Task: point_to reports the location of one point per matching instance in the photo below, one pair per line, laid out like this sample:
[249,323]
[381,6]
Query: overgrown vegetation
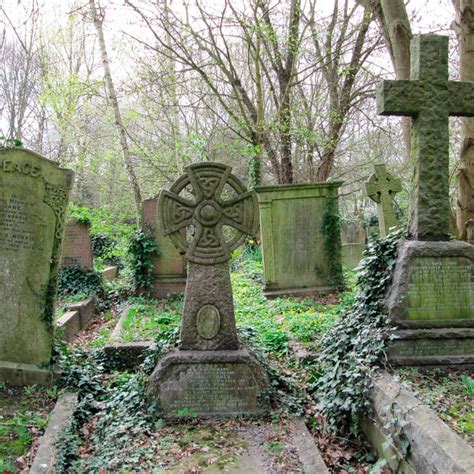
[78,280]
[141,248]
[353,348]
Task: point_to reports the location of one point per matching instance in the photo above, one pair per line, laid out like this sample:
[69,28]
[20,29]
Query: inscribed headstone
[33,200]
[77,246]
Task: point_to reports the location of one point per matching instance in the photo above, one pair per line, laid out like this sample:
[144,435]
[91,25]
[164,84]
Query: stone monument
[211,373]
[77,246]
[169,266]
[34,195]
[381,187]
[431,297]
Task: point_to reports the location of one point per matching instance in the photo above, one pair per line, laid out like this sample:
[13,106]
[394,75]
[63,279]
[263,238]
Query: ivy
[80,214]
[141,249]
[331,230]
[352,349]
[75,280]
[9,142]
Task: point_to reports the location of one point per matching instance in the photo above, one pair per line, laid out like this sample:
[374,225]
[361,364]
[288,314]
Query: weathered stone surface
[294,255]
[433,285]
[126,355]
[430,98]
[169,267]
[109,273]
[208,383]
[434,448]
[77,246]
[208,307]
[69,325]
[470,231]
[446,346]
[352,254]
[382,188]
[33,200]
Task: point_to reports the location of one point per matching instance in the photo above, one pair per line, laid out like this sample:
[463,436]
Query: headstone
[381,187]
[77,246]
[353,243]
[211,373]
[34,195]
[295,258]
[431,297]
[352,254]
[169,267]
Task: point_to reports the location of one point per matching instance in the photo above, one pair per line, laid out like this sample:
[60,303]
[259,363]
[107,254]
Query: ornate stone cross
[215,205]
[430,98]
[381,188]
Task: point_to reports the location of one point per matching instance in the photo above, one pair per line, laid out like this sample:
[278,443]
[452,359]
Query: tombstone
[77,246]
[381,187]
[34,194]
[353,243]
[295,258]
[169,267]
[431,298]
[211,373]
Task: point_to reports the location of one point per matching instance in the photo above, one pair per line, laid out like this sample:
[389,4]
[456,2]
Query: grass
[23,416]
[450,393]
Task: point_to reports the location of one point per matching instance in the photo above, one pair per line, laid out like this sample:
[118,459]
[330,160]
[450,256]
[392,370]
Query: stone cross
[430,98]
[381,188]
[213,203]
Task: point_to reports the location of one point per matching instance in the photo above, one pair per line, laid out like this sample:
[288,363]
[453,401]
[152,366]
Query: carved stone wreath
[208,211]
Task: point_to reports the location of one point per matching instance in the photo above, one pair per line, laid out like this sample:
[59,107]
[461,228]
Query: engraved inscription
[210,388]
[16,231]
[208,321]
[433,347]
[24,168]
[441,288]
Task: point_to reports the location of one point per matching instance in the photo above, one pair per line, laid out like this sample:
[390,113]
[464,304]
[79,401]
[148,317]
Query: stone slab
[18,374]
[109,273]
[433,285]
[86,310]
[434,448]
[165,287]
[60,419]
[77,245]
[291,218]
[70,325]
[209,383]
[126,355]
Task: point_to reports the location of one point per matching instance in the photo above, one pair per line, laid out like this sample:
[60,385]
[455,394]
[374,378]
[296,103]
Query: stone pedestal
[431,300]
[208,383]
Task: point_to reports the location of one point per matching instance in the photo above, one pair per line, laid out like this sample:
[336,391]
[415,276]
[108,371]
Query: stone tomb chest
[33,201]
[295,256]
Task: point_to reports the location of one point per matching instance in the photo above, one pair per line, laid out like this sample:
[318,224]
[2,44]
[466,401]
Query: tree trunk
[465,175]
[118,118]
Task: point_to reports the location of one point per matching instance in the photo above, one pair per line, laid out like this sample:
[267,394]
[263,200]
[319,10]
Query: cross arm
[398,98]
[461,98]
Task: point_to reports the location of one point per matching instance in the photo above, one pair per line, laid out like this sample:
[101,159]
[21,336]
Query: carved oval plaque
[208,321]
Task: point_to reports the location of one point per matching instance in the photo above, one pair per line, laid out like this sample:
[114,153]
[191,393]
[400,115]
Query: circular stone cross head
[214,203]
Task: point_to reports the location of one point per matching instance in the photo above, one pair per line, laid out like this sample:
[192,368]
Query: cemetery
[256,256]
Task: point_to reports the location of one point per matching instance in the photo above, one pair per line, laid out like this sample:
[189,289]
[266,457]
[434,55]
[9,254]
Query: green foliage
[353,347]
[9,142]
[331,230]
[141,249]
[76,280]
[79,213]
[254,166]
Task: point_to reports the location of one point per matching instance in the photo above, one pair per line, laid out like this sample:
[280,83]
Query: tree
[464,26]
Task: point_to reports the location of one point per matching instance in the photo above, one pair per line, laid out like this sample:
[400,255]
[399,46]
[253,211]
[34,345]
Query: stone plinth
[208,383]
[169,267]
[77,246]
[33,201]
[431,299]
[294,254]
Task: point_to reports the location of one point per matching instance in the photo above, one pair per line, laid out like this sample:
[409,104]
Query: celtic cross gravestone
[381,187]
[431,296]
[210,374]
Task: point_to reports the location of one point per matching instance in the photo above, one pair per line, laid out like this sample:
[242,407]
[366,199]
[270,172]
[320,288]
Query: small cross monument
[381,188]
[211,373]
[433,277]
[430,98]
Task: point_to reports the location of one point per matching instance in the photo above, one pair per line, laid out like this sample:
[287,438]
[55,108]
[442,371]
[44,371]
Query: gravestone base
[431,300]
[271,292]
[163,287]
[208,383]
[433,347]
[17,374]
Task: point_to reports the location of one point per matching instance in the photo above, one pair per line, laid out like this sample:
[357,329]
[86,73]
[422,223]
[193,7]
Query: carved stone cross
[381,188]
[430,98]
[213,203]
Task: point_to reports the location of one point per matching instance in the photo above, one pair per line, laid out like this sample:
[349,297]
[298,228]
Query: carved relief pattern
[56,198]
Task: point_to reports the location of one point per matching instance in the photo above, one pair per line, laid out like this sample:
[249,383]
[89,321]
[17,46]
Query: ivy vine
[141,249]
[353,348]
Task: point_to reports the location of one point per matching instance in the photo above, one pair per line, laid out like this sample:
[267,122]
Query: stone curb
[433,446]
[109,273]
[76,318]
[60,419]
[115,334]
